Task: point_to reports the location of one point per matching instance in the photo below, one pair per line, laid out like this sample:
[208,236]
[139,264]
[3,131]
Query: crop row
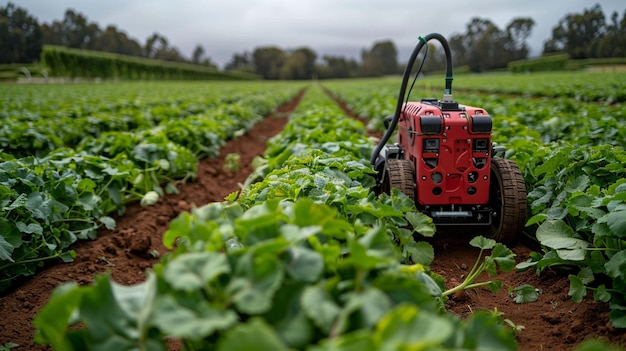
[305,257]
[49,202]
[574,165]
[41,118]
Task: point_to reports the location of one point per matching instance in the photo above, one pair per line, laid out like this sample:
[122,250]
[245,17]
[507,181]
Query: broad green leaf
[484,332]
[367,307]
[482,243]
[68,256]
[320,306]
[304,264]
[586,275]
[421,223]
[89,201]
[255,281]
[558,235]
[11,233]
[31,228]
[259,223]
[577,289]
[601,294]
[195,319]
[555,234]
[555,213]
[616,266]
[522,266]
[359,340]
[377,243]
[307,213]
[429,283]
[6,249]
[421,252]
[407,328]
[525,293]
[194,270]
[179,227]
[288,318]
[494,285]
[108,222]
[363,259]
[294,233]
[504,257]
[616,221]
[538,218]
[583,203]
[137,301]
[580,183]
[617,314]
[573,254]
[109,325]
[54,318]
[253,335]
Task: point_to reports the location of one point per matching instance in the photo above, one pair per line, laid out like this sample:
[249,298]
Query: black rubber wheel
[507,198]
[399,174]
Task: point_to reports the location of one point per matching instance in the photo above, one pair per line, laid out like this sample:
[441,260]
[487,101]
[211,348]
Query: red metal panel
[463,180]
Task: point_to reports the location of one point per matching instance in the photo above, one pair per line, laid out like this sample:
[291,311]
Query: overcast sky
[336,27]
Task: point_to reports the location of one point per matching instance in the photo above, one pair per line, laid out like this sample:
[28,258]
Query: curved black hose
[405,79]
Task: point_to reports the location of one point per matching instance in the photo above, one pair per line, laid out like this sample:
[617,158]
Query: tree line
[483,46]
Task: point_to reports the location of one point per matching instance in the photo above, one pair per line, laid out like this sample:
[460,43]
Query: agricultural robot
[445,161]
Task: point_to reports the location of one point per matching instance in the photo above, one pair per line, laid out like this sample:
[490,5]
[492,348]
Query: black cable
[405,78]
[419,70]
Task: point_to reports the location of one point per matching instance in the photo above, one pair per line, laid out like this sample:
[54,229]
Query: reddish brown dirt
[551,323]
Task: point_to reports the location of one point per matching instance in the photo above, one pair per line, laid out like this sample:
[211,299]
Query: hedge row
[65,62]
[561,62]
[544,63]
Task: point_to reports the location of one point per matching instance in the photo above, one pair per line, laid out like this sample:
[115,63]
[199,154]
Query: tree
[382,59]
[483,40]
[575,32]
[20,36]
[518,32]
[240,62]
[435,59]
[459,49]
[73,31]
[299,64]
[484,46]
[113,40]
[154,44]
[268,62]
[613,42]
[337,67]
[197,55]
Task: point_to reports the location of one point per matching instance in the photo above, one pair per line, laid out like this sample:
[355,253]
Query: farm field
[570,148]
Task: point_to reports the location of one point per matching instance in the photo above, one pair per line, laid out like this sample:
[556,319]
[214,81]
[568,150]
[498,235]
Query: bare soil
[554,322]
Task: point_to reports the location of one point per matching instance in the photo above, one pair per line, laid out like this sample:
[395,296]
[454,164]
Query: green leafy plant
[71,157]
[231,162]
[295,273]
[579,206]
[326,267]
[500,256]
[8,346]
